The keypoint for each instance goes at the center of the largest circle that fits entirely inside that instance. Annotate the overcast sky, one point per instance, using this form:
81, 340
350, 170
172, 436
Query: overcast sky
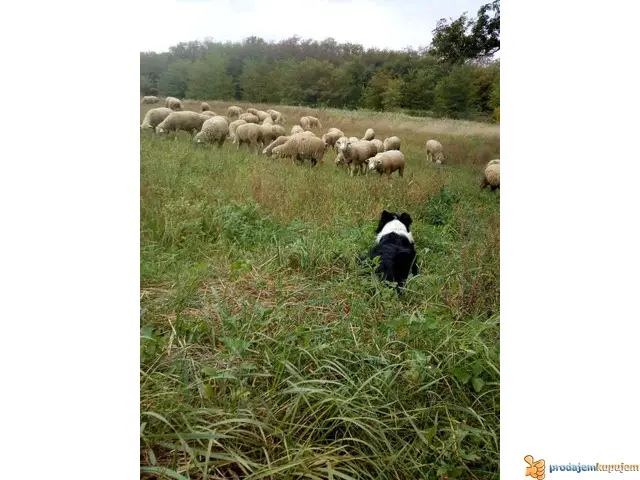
371, 23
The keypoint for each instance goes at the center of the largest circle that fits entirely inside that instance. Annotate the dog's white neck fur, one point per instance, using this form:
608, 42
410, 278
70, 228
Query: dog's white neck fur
394, 226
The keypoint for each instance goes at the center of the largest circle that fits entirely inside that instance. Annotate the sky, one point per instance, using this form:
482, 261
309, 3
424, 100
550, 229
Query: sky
371, 23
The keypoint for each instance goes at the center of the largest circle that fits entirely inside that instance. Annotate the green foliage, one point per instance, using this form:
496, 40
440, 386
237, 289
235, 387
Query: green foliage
329, 74
208, 78
456, 41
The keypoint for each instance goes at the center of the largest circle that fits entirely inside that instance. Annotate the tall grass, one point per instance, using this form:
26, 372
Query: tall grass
267, 353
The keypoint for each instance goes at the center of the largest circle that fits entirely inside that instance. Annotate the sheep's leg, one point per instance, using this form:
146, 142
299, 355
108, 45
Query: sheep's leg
401, 171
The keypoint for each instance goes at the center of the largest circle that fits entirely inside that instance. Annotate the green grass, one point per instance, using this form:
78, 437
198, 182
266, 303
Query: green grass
267, 353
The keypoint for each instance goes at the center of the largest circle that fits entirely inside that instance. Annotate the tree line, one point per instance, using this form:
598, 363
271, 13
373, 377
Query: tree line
455, 76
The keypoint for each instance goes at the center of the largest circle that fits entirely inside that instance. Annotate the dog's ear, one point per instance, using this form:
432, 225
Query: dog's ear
386, 216
406, 219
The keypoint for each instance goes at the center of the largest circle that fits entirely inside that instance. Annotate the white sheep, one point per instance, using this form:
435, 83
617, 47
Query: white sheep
278, 130
262, 116
491, 176
357, 153
281, 140
493, 162
296, 129
332, 136
388, 162
176, 121
434, 151
249, 117
154, 117
369, 134
234, 111
252, 111
149, 99
300, 147
276, 116
249, 134
392, 143
308, 122
204, 106
268, 121
232, 129
214, 130
354, 139
379, 145
173, 103
209, 113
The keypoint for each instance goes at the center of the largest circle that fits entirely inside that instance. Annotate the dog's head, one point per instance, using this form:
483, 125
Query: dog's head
387, 217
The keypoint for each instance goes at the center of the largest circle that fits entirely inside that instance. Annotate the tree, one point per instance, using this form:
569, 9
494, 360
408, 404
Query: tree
257, 82
454, 93
208, 78
374, 93
466, 39
174, 81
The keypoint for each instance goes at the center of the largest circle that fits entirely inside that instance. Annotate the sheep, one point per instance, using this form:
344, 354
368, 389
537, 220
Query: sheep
278, 130
392, 143
232, 129
214, 130
173, 103
281, 140
388, 162
268, 121
332, 136
300, 147
234, 111
434, 151
262, 116
252, 111
276, 116
369, 134
149, 99
491, 176
340, 158
249, 117
248, 133
209, 113
357, 153
493, 162
204, 106
379, 145
176, 121
296, 129
308, 122
155, 117
354, 139
266, 134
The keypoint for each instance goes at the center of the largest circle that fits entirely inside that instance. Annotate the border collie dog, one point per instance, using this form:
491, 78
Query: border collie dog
395, 247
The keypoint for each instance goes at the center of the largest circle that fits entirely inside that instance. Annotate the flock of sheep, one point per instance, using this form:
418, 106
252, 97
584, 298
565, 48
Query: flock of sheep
263, 130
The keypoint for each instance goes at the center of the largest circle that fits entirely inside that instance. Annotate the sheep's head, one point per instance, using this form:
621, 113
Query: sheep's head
439, 156
160, 130
375, 163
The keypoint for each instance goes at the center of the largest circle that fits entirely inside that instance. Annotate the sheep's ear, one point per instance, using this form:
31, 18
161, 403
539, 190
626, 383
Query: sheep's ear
406, 219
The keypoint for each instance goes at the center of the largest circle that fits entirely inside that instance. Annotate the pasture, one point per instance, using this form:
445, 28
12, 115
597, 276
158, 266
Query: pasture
267, 353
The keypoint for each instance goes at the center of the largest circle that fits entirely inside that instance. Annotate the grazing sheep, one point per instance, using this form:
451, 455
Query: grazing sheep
155, 117
300, 147
176, 121
249, 134
392, 143
493, 162
262, 116
388, 162
268, 121
309, 122
249, 117
173, 103
276, 116
354, 139
278, 130
332, 136
214, 130
379, 145
252, 111
232, 129
491, 176
204, 106
234, 111
357, 153
281, 140
266, 134
369, 134
434, 151
149, 99
209, 113
296, 129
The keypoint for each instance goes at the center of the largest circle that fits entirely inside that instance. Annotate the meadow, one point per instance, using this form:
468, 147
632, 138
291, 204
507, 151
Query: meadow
267, 353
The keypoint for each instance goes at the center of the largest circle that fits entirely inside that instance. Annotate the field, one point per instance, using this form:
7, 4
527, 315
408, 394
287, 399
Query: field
266, 353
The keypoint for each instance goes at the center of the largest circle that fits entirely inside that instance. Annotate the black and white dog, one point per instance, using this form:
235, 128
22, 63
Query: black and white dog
395, 247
